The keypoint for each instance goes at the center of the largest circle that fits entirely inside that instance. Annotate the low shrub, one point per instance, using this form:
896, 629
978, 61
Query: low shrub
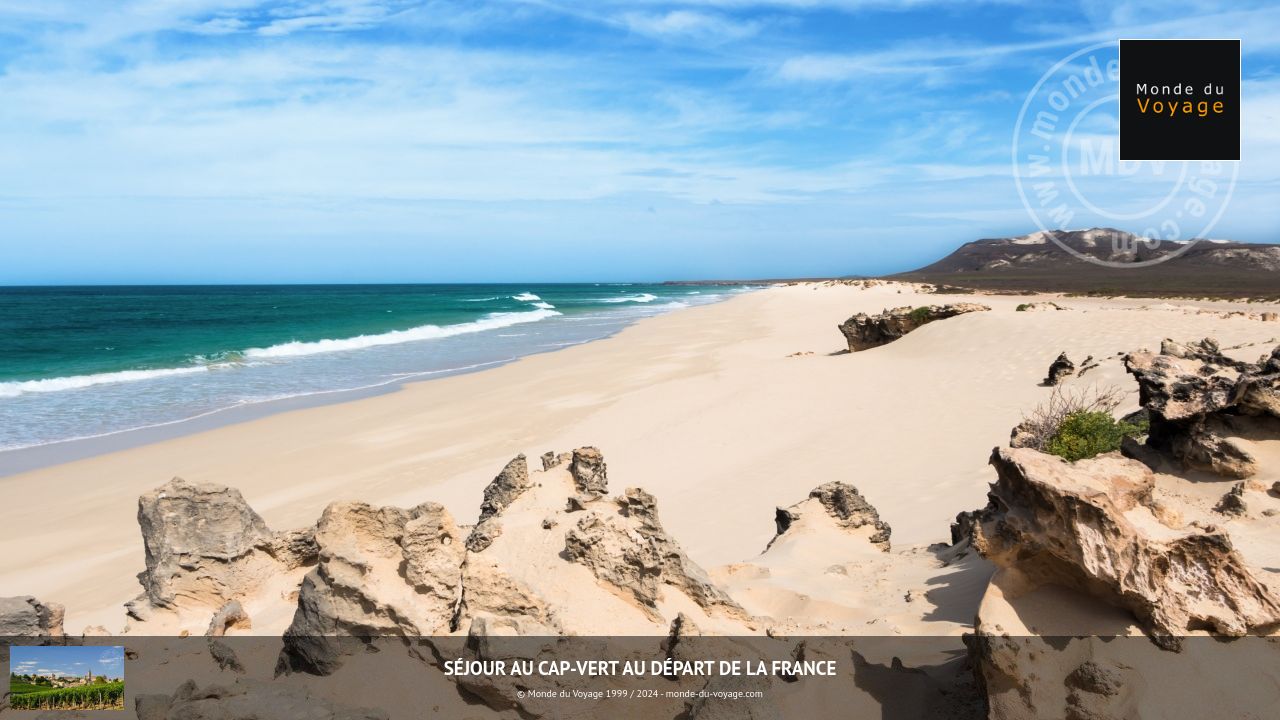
1086, 433
1022, 307
920, 315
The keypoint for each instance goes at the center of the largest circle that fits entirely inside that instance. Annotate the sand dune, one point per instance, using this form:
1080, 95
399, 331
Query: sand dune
710, 409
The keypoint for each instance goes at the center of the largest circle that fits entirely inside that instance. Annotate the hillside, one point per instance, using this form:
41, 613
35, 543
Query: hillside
1216, 268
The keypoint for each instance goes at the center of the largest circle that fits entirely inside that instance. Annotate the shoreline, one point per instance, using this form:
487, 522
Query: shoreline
19, 460
723, 412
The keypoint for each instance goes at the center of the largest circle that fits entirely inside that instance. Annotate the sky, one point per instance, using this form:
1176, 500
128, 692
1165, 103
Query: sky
67, 661
224, 141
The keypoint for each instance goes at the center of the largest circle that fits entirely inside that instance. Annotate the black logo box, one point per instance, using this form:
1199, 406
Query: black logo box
1186, 69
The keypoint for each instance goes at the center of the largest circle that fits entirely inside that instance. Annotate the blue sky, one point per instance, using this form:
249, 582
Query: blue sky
67, 661
526, 140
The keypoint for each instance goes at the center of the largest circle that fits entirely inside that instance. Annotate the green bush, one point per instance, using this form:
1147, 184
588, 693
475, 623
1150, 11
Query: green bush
920, 315
1086, 433
1022, 307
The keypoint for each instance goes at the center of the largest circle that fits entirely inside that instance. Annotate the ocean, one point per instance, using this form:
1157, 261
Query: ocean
84, 362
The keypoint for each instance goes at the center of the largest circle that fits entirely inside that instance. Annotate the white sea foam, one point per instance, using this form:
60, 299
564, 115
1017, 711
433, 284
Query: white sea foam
525, 297
76, 382
641, 298
495, 297
492, 321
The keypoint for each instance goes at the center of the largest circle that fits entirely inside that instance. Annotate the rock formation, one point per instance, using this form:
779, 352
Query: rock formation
501, 492
842, 502
205, 547
590, 476
863, 331
1059, 370
381, 571
27, 617
1092, 525
629, 550
1196, 398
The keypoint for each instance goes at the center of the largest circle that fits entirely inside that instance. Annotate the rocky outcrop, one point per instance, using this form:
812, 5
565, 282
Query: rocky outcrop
1196, 398
1092, 525
843, 503
629, 550
205, 546
1059, 370
381, 571
27, 617
501, 492
863, 331
590, 476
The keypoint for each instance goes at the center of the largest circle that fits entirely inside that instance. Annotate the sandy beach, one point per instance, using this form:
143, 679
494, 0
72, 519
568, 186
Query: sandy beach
722, 412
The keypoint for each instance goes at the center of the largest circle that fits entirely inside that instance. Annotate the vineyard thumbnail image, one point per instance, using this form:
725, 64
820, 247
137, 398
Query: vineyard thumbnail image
66, 678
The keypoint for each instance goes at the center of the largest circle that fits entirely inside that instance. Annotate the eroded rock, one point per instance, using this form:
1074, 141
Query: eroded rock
205, 547
843, 503
501, 492
1059, 370
863, 331
1195, 396
1076, 525
25, 616
629, 550
590, 474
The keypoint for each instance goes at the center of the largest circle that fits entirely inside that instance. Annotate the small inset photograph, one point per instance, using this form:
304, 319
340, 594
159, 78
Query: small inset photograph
66, 678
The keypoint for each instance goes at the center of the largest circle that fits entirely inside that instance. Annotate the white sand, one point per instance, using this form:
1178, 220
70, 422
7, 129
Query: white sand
702, 407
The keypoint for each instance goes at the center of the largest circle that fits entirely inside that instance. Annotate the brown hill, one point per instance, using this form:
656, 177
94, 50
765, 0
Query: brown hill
1216, 268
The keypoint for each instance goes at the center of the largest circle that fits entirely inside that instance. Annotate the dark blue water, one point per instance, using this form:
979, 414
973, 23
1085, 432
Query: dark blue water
87, 361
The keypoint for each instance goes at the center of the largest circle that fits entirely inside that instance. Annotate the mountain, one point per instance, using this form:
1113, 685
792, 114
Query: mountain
1218, 268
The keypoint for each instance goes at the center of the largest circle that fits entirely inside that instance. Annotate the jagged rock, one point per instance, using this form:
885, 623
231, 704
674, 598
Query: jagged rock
501, 491
1233, 502
205, 546
25, 616
863, 331
850, 510
382, 571
590, 476
1024, 435
552, 459
96, 631
1074, 524
228, 616
1202, 447
630, 551
1194, 396
489, 592
1059, 369
549, 522
247, 698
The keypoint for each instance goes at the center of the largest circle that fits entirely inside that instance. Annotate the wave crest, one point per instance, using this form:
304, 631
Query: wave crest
492, 321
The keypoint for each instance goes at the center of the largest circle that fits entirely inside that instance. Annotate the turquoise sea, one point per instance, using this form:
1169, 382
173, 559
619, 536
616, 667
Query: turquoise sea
78, 362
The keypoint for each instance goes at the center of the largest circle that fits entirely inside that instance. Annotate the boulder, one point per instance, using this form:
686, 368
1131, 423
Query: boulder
844, 504
590, 476
27, 617
205, 547
629, 550
381, 571
863, 331
1059, 370
1196, 398
1092, 525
